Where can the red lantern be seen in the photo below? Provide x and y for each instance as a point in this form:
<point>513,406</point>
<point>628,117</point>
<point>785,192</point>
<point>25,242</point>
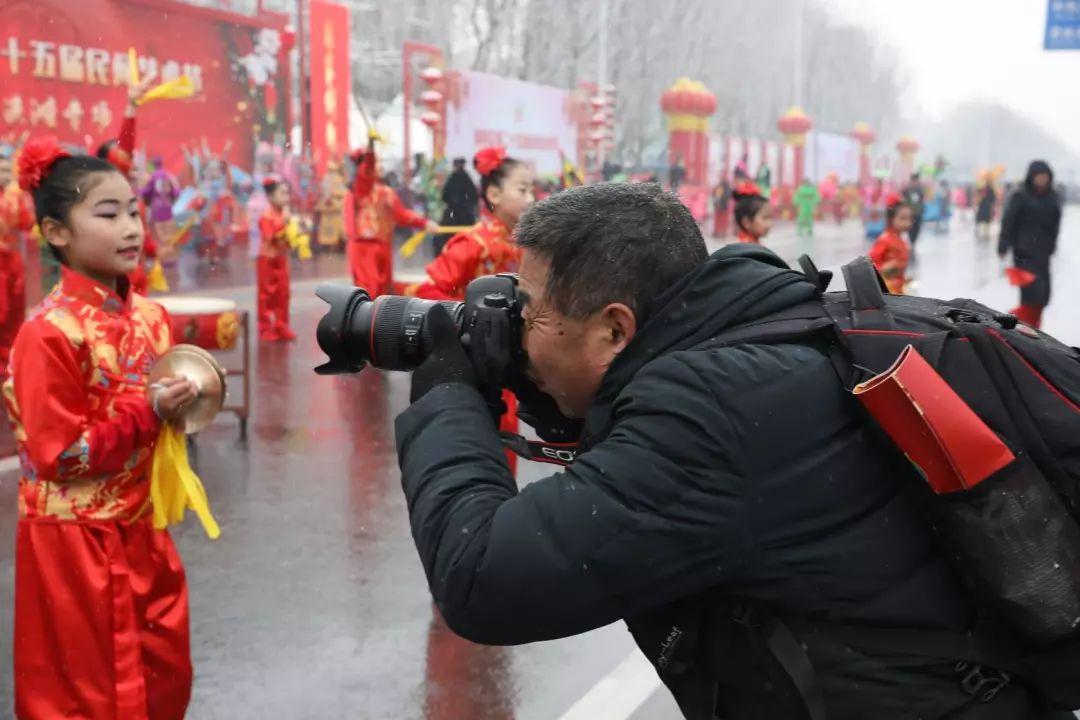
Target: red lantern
<point>596,135</point>
<point>863,134</point>
<point>433,76</point>
<point>431,99</point>
<point>431,119</point>
<point>597,120</point>
<point>794,124</point>
<point>597,102</point>
<point>907,146</point>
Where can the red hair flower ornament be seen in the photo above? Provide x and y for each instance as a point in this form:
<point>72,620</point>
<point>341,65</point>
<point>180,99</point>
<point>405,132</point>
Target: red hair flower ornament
<point>489,159</point>
<point>35,160</point>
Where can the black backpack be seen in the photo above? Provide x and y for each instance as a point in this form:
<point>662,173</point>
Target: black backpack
<point>1015,538</point>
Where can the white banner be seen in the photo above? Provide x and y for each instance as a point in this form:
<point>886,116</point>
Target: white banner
<point>533,122</point>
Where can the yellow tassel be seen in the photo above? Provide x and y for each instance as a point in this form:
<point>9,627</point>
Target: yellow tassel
<point>298,240</point>
<point>414,241</point>
<point>176,89</point>
<point>155,279</point>
<point>174,486</point>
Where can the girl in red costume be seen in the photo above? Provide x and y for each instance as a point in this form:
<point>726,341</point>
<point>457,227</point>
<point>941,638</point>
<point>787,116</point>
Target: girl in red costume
<point>506,188</point>
<point>891,252</point>
<point>16,218</point>
<point>376,211</point>
<point>101,611</point>
<point>272,271</point>
<point>753,214</point>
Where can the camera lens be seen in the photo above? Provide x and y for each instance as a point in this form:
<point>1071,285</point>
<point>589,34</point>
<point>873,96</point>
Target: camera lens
<point>387,332</point>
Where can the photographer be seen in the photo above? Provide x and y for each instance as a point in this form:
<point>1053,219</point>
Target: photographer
<point>731,504</point>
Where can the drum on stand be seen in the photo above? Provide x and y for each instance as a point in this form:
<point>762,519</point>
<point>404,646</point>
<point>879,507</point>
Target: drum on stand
<point>213,324</point>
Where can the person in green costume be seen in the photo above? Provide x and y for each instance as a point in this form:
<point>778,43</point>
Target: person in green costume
<point>806,200</point>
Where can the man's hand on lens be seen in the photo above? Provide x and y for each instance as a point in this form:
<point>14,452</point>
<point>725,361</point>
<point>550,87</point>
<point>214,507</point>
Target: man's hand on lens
<point>447,362</point>
<point>540,411</point>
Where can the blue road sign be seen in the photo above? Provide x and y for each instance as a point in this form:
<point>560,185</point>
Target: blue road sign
<point>1062,25</point>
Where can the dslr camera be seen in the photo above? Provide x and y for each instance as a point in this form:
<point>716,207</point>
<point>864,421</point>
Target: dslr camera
<point>390,331</point>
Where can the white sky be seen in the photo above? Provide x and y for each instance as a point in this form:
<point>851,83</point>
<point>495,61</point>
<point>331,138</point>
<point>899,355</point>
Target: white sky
<point>957,50</point>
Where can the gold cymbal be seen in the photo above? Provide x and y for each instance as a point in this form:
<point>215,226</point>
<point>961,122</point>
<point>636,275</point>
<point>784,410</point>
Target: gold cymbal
<point>206,372</point>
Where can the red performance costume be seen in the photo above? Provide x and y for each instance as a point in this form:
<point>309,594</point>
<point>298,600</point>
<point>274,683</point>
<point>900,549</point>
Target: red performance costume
<point>101,606</point>
<point>272,273</point>
<point>485,249</point>
<point>16,217</point>
<point>376,211</point>
<point>745,237</point>
<point>890,255</point>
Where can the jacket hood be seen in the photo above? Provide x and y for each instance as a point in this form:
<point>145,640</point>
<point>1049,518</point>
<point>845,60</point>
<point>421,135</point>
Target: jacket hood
<point>737,284</point>
<point>1036,167</point>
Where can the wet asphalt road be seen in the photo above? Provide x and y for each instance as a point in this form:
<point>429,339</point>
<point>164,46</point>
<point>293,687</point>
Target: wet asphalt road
<point>313,604</point>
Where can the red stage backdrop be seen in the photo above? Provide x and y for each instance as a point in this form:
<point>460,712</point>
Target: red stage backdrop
<point>64,68</point>
<point>330,82</point>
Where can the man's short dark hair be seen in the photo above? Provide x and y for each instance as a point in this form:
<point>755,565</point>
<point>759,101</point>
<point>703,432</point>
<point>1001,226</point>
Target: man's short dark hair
<point>612,242</point>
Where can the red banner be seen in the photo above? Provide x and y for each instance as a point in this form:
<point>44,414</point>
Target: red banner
<point>330,82</point>
<point>64,71</point>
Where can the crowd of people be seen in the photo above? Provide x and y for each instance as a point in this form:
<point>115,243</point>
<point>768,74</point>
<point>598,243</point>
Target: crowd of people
<point>114,615</point>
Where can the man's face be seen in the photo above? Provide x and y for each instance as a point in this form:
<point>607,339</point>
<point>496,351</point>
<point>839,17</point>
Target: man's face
<point>567,357</point>
<point>1041,181</point>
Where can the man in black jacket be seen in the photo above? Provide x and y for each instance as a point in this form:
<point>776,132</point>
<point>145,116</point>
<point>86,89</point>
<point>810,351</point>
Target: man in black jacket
<point>717,489</point>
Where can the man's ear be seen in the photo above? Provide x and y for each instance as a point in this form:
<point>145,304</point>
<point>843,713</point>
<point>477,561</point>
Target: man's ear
<point>620,324</point>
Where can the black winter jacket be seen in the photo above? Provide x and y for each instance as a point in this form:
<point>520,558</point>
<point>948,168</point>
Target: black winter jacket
<point>706,474</point>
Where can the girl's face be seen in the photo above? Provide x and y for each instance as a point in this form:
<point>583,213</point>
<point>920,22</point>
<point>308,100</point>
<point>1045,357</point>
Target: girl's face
<point>280,197</point>
<point>902,220</point>
<point>103,236</point>
<point>760,225</point>
<point>514,196</point>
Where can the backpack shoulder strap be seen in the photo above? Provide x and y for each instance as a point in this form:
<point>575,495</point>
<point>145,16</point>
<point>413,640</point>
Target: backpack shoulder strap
<point>791,324</point>
<point>865,292</point>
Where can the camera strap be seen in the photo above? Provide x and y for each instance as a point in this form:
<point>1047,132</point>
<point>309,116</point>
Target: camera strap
<point>538,451</point>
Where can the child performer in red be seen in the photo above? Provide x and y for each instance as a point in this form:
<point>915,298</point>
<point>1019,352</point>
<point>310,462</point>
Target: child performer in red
<point>101,611</point>
<point>377,210</point>
<point>753,214</point>
<point>16,218</point>
<point>272,271</point>
<point>891,252</point>
<point>506,187</point>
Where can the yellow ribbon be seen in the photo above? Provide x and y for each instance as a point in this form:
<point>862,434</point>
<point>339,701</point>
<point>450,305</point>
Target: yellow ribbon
<point>174,486</point>
<point>414,241</point>
<point>176,89</point>
<point>155,279</point>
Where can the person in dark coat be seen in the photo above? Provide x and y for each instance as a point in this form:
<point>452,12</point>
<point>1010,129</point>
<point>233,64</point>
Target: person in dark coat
<point>984,212</point>
<point>915,197</point>
<point>715,490</point>
<point>460,197</point>
<point>1029,228</point>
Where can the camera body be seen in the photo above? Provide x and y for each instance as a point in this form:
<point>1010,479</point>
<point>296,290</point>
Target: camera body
<point>390,331</point>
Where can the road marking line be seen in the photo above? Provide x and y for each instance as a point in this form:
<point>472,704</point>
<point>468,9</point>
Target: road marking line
<point>619,693</point>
